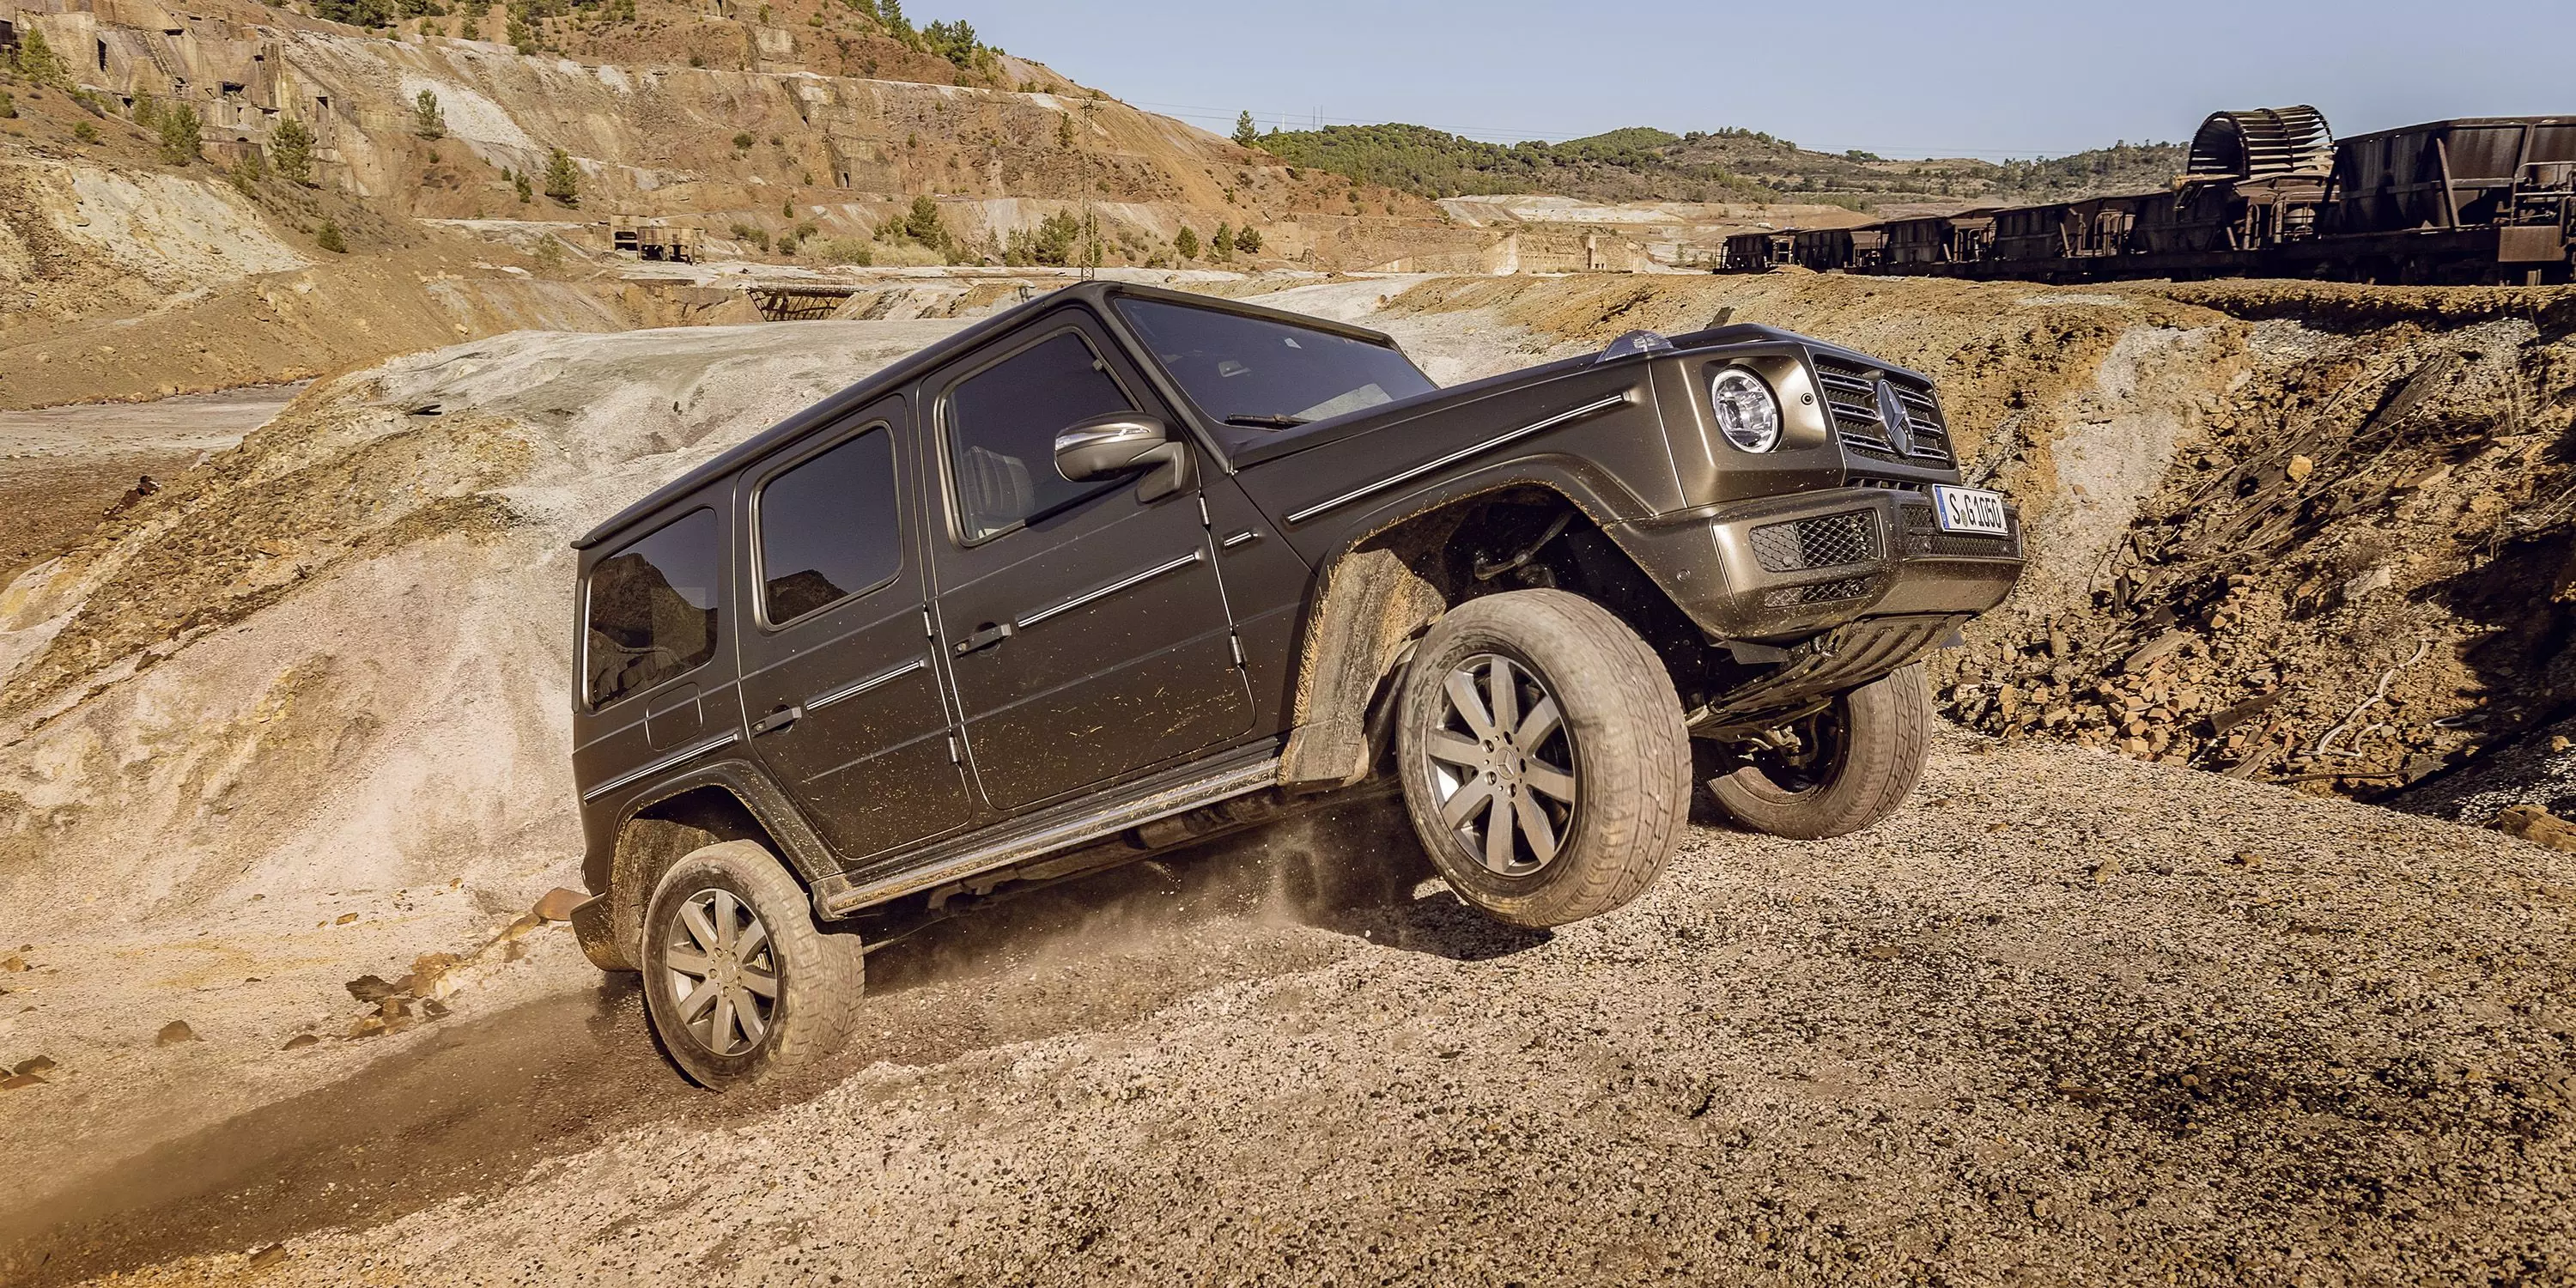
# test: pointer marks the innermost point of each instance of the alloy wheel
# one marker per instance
(724, 971)
(1502, 765)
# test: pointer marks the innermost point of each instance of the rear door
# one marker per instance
(838, 678)
(1086, 629)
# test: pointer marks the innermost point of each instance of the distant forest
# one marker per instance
(1646, 164)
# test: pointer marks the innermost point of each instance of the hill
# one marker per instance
(1647, 164)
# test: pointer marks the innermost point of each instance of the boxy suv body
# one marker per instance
(1123, 569)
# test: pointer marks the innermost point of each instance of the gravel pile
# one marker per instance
(2069, 1018)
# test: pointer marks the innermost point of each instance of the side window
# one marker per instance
(1002, 423)
(828, 528)
(652, 608)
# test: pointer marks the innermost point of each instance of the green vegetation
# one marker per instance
(742, 142)
(1644, 164)
(290, 151)
(1220, 244)
(246, 173)
(8, 106)
(85, 132)
(519, 184)
(35, 60)
(1245, 132)
(844, 250)
(1248, 240)
(427, 120)
(328, 238)
(1185, 243)
(1057, 238)
(469, 29)
(563, 178)
(178, 131)
(753, 236)
(922, 224)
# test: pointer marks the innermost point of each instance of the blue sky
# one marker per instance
(2023, 79)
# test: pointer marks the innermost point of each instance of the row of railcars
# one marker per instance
(2266, 193)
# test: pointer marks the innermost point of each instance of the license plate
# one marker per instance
(1968, 509)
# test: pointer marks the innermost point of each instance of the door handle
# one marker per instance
(777, 720)
(985, 638)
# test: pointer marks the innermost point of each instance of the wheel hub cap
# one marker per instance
(1501, 765)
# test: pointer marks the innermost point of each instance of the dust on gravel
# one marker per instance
(2058, 1020)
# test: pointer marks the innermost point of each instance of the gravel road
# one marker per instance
(2067, 1019)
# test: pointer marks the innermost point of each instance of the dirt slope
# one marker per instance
(2056, 1022)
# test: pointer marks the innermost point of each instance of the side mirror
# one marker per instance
(1124, 442)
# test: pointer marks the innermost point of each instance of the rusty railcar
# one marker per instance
(1759, 251)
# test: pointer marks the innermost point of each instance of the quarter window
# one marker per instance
(828, 528)
(653, 608)
(1002, 423)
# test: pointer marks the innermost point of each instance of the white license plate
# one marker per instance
(1968, 509)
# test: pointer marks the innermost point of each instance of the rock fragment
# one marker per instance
(2537, 825)
(300, 1041)
(176, 1032)
(370, 988)
(35, 1064)
(17, 1081)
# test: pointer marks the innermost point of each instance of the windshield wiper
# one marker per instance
(1267, 422)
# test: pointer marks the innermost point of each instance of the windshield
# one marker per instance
(1261, 379)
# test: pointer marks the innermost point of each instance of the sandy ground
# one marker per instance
(2065, 1019)
(61, 467)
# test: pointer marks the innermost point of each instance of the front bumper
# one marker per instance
(1783, 568)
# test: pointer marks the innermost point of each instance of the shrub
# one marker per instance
(519, 183)
(246, 173)
(427, 120)
(328, 238)
(563, 178)
(290, 151)
(8, 106)
(844, 250)
(36, 61)
(85, 132)
(179, 128)
(1185, 243)
(469, 29)
(742, 142)
(1247, 240)
(753, 236)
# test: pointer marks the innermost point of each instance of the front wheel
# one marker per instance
(1839, 770)
(1544, 762)
(738, 981)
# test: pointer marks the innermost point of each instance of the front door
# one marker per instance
(839, 682)
(1085, 629)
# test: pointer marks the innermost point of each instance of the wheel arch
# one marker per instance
(1410, 561)
(727, 801)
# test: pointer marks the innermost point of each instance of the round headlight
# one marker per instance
(1746, 412)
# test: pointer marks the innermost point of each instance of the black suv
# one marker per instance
(1124, 569)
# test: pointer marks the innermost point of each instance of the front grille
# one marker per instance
(1851, 395)
(1923, 536)
(1826, 593)
(1820, 542)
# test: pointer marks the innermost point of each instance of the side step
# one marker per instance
(1003, 845)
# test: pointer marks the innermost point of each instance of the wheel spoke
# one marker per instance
(1541, 721)
(699, 999)
(1463, 803)
(1498, 837)
(1469, 704)
(720, 1037)
(728, 919)
(1453, 749)
(687, 961)
(753, 936)
(703, 931)
(761, 982)
(1536, 825)
(746, 1015)
(1550, 780)
(1505, 684)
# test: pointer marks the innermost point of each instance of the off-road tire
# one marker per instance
(820, 977)
(1630, 755)
(1886, 731)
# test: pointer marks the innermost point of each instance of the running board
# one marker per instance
(1162, 796)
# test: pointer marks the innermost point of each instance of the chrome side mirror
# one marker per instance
(1123, 442)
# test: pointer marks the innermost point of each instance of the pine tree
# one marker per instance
(37, 63)
(923, 224)
(427, 120)
(1221, 246)
(1248, 240)
(1245, 132)
(290, 152)
(563, 178)
(179, 128)
(1185, 243)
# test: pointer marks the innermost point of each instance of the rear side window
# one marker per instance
(653, 608)
(828, 528)
(1002, 423)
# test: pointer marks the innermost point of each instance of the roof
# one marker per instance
(909, 369)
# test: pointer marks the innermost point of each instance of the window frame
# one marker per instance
(818, 448)
(944, 408)
(589, 585)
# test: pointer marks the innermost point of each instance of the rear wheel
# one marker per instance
(739, 983)
(1544, 762)
(1840, 770)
